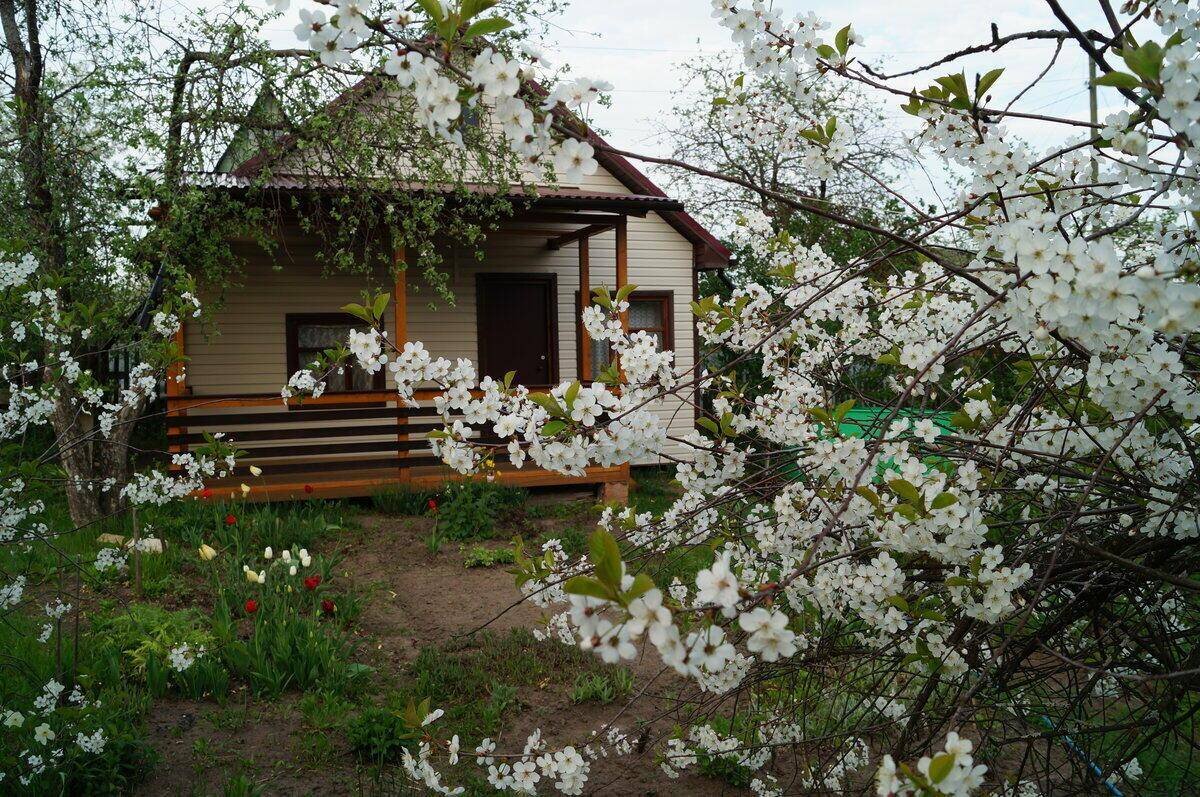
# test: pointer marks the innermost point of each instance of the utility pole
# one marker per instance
(1095, 114)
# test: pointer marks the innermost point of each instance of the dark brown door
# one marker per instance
(517, 327)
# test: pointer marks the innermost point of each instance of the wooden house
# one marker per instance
(516, 309)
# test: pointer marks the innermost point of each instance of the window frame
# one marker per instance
(667, 300)
(292, 323)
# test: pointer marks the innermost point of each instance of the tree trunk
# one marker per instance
(73, 434)
(112, 456)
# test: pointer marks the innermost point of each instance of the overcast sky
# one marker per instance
(636, 45)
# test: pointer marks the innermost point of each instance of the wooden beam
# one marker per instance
(547, 217)
(581, 235)
(347, 486)
(622, 273)
(585, 298)
(177, 384)
(399, 338)
(623, 263)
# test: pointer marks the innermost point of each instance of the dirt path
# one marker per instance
(424, 599)
(413, 600)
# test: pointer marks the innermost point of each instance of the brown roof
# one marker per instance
(541, 197)
(709, 253)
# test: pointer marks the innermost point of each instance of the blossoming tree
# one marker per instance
(1008, 538)
(935, 597)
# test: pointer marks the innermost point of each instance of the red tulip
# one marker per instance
(230, 520)
(251, 606)
(312, 581)
(433, 505)
(206, 493)
(328, 607)
(308, 488)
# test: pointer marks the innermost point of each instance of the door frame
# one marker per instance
(547, 279)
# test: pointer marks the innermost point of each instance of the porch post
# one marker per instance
(177, 388)
(399, 338)
(623, 262)
(619, 491)
(585, 299)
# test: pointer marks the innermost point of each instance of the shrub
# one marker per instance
(478, 556)
(142, 635)
(469, 509)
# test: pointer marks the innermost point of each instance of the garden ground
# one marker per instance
(416, 623)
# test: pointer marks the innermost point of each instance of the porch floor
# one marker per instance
(366, 481)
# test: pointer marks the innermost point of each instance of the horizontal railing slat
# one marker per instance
(244, 437)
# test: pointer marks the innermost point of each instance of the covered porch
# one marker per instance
(356, 439)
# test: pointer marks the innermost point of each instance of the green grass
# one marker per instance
(120, 661)
(602, 687)
(654, 489)
(402, 500)
(560, 510)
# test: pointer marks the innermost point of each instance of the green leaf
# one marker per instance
(956, 85)
(897, 601)
(869, 494)
(710, 426)
(907, 511)
(357, 310)
(840, 411)
(606, 558)
(642, 584)
(825, 51)
(582, 585)
(572, 393)
(509, 377)
(1146, 60)
(941, 766)
(551, 428)
(381, 303)
(958, 581)
(906, 490)
(433, 8)
(486, 26)
(821, 415)
(471, 8)
(842, 40)
(986, 82)
(943, 500)
(625, 292)
(1118, 80)
(602, 297)
(727, 424)
(548, 403)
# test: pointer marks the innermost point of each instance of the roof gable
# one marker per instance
(709, 252)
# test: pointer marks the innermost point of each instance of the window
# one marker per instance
(649, 312)
(310, 334)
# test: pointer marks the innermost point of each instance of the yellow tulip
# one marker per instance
(255, 470)
(245, 489)
(207, 552)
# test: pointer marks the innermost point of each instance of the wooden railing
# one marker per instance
(338, 444)
(330, 426)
